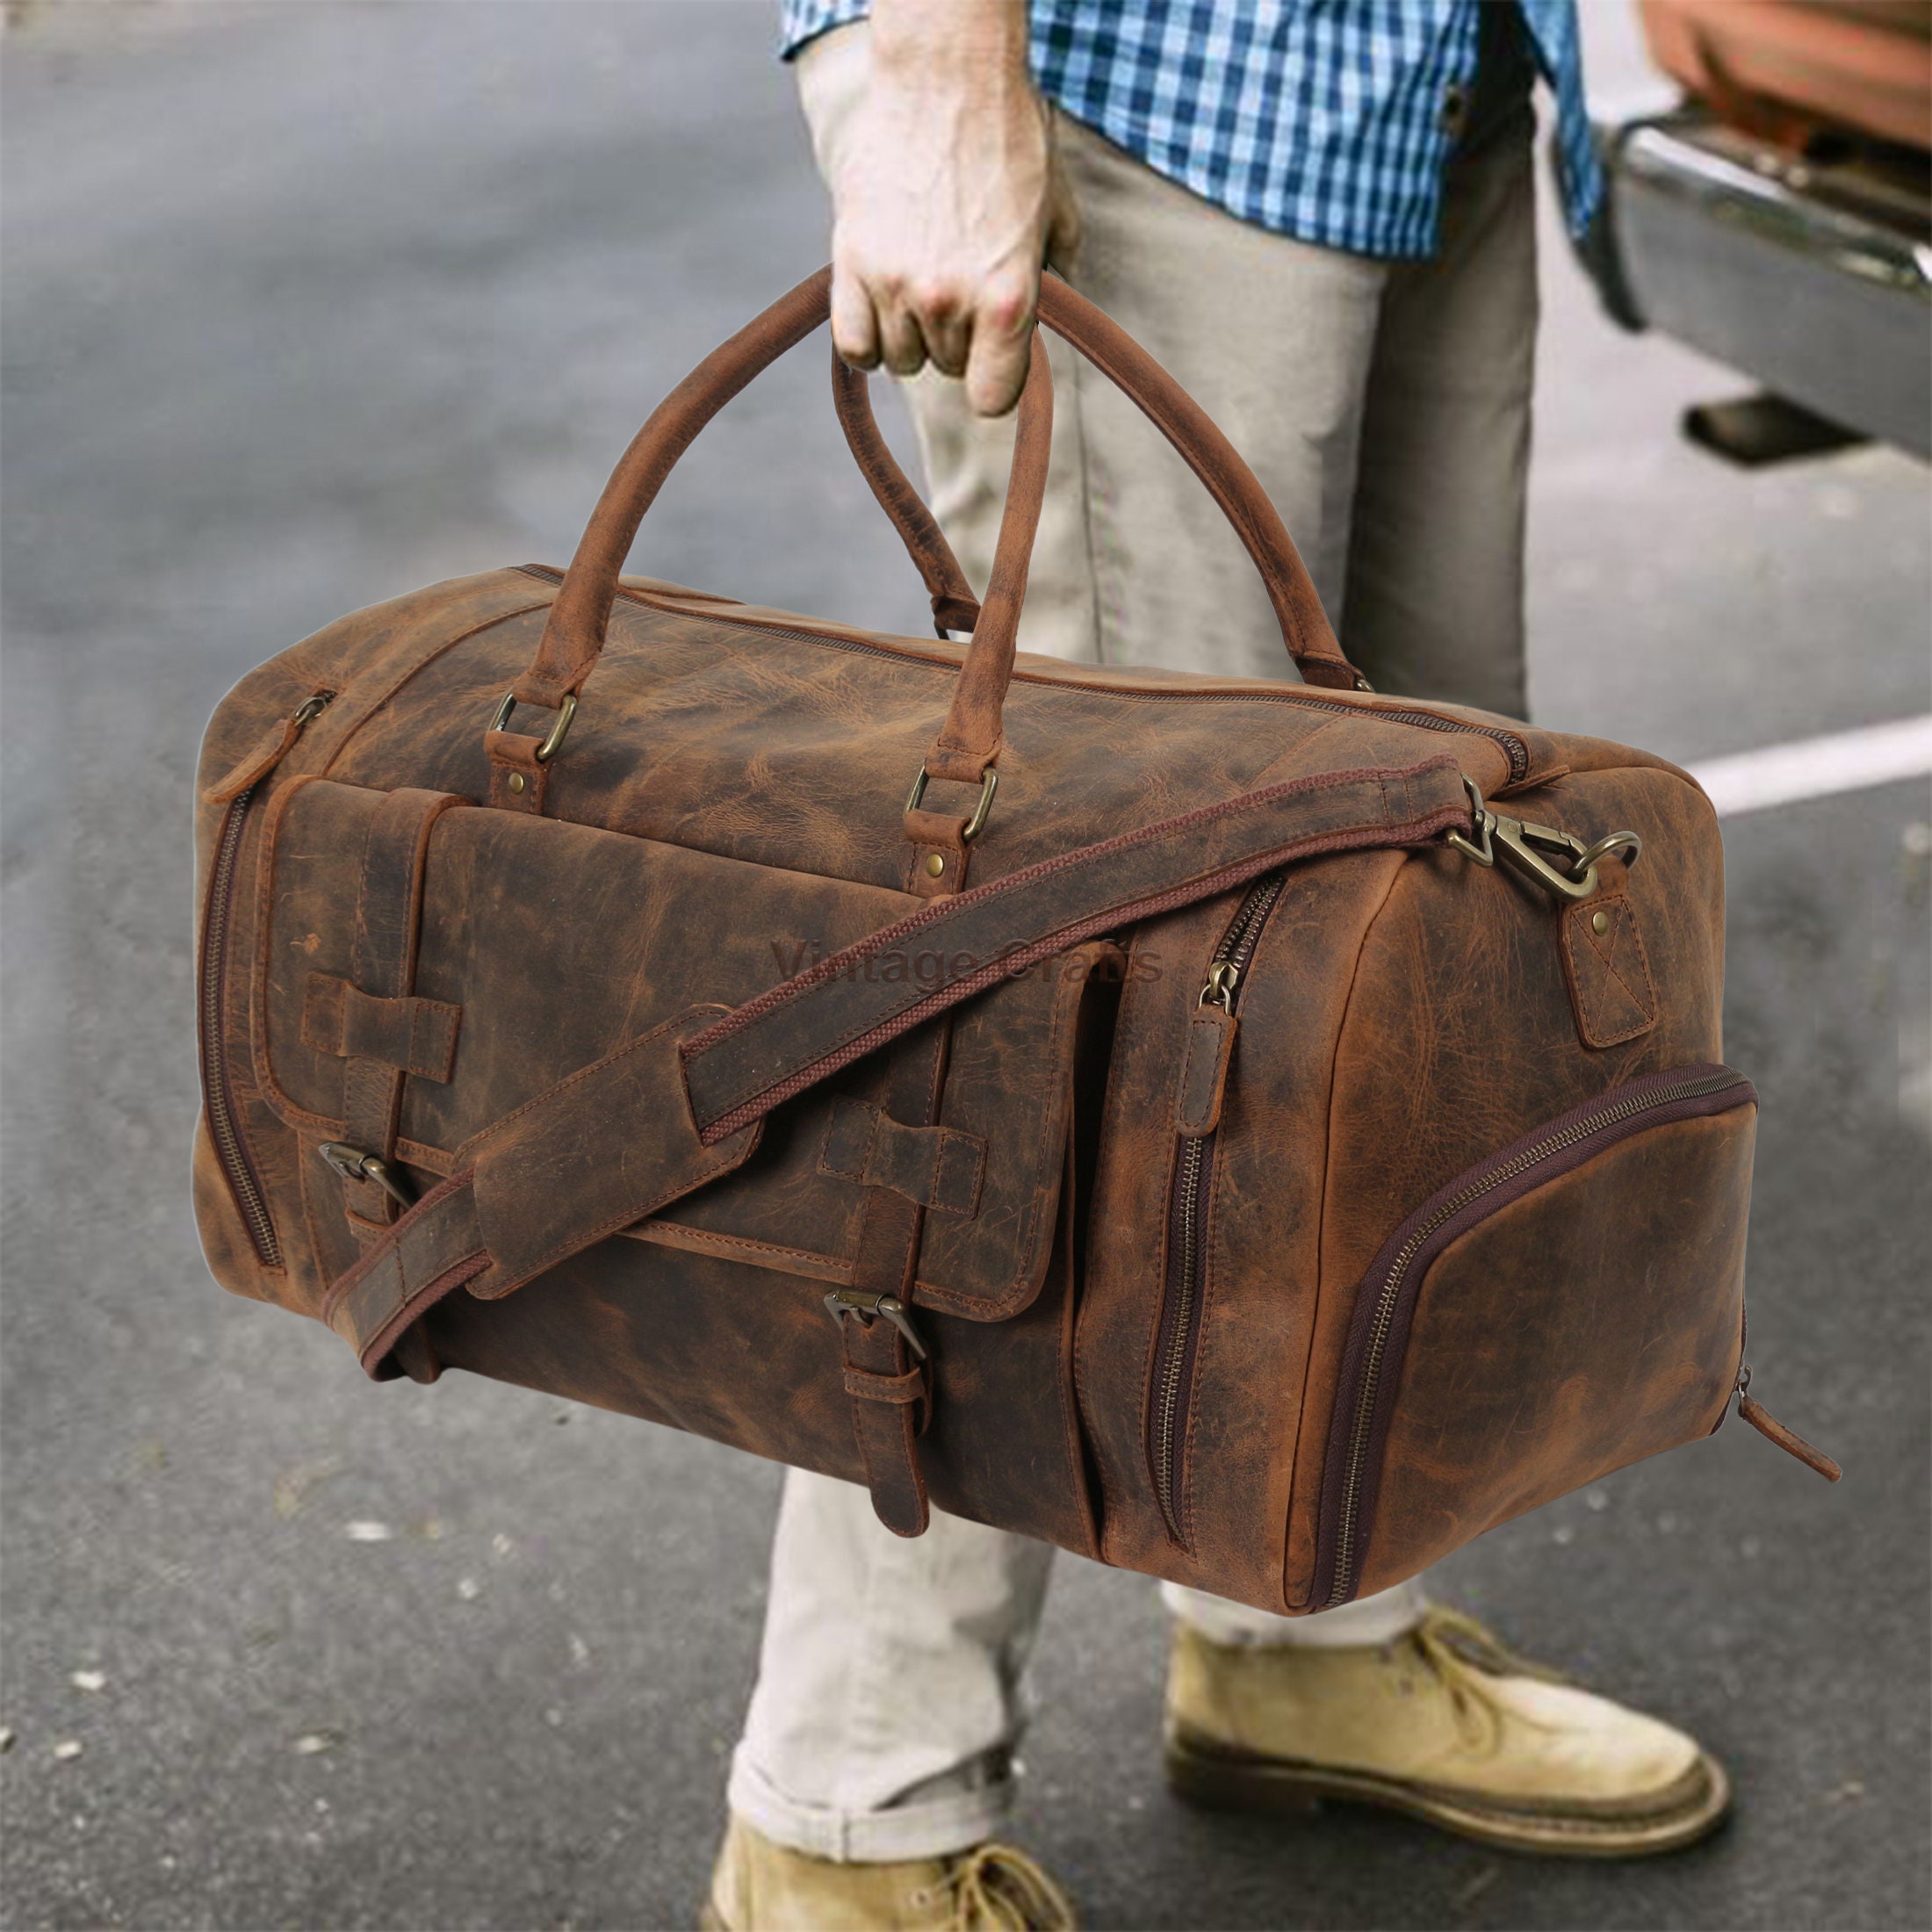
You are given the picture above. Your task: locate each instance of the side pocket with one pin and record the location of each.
(1569, 1305)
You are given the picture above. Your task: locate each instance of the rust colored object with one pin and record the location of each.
(582, 1005)
(1787, 69)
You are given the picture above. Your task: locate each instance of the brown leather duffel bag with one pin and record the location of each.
(1300, 1143)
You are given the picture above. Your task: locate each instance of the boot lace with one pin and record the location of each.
(997, 1888)
(1464, 1656)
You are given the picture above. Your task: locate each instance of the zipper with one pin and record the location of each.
(238, 1166)
(1658, 1093)
(1187, 1213)
(1513, 747)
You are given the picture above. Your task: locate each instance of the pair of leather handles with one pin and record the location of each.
(968, 741)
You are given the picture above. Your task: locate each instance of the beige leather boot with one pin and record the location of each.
(760, 1886)
(1442, 1723)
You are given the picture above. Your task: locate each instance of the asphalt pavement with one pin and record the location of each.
(306, 306)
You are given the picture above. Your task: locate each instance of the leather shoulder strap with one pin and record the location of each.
(774, 1046)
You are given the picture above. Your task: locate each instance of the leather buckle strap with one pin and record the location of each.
(382, 973)
(878, 1343)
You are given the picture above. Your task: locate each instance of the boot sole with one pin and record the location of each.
(1211, 1775)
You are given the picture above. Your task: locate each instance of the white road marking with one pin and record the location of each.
(1815, 768)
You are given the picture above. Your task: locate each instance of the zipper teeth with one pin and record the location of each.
(1385, 1311)
(1235, 949)
(1513, 747)
(1194, 1159)
(214, 1073)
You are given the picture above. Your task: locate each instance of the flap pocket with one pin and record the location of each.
(542, 946)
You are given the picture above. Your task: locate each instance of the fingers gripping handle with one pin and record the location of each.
(580, 615)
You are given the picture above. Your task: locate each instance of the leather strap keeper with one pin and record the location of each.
(938, 1167)
(418, 1035)
(870, 1386)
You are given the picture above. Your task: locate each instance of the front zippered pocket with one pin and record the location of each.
(1380, 1329)
(1170, 1387)
(231, 1146)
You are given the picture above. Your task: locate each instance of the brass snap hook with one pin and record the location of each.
(555, 743)
(1563, 866)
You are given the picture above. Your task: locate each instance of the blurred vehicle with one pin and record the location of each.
(1780, 219)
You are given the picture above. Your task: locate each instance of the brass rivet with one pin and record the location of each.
(1599, 923)
(517, 780)
(935, 864)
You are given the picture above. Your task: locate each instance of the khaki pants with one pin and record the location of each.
(1385, 406)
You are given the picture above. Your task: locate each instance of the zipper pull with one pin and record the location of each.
(267, 752)
(1204, 1070)
(1753, 1411)
(1223, 977)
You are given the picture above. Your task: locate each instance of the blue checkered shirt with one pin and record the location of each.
(1324, 119)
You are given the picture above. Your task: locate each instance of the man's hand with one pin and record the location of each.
(945, 199)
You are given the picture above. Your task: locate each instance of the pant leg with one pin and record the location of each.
(1434, 605)
(889, 1701)
(1274, 337)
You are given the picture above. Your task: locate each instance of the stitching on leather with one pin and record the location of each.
(949, 907)
(1625, 924)
(870, 1037)
(413, 1306)
(915, 923)
(1014, 1295)
(830, 1262)
(480, 1139)
(1199, 1031)
(347, 1282)
(1598, 1030)
(577, 1243)
(329, 737)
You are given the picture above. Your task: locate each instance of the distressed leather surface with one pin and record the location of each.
(1494, 1418)
(518, 908)
(728, 804)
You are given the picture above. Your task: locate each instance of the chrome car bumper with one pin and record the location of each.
(1815, 279)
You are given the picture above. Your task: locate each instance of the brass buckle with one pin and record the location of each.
(1563, 866)
(353, 1164)
(989, 783)
(864, 1304)
(555, 743)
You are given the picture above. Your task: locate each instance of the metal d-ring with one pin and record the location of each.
(555, 743)
(989, 783)
(1627, 845)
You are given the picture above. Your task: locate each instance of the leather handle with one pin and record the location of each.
(954, 607)
(969, 739)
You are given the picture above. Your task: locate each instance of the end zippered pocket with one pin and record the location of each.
(1514, 1338)
(237, 792)
(1169, 1385)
